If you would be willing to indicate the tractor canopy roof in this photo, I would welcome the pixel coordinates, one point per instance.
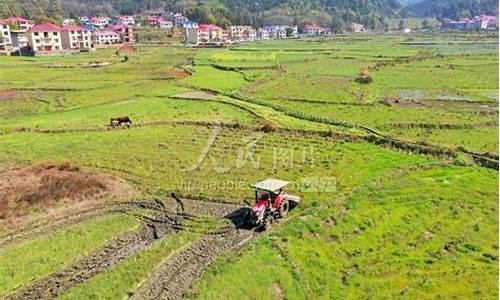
(271, 185)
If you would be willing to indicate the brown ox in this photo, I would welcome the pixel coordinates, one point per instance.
(117, 121)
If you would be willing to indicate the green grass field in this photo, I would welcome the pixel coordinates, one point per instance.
(37, 258)
(122, 280)
(408, 234)
(393, 223)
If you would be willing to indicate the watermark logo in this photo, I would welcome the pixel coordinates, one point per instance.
(317, 185)
(248, 156)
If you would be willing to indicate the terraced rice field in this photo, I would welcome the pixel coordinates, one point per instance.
(398, 177)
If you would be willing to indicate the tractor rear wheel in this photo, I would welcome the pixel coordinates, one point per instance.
(266, 223)
(284, 208)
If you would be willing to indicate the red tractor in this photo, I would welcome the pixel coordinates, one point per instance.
(271, 202)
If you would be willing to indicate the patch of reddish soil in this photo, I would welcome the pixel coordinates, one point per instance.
(9, 95)
(177, 74)
(25, 189)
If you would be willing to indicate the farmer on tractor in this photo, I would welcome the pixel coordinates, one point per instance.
(271, 203)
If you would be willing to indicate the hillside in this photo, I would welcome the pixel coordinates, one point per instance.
(409, 2)
(453, 9)
(223, 12)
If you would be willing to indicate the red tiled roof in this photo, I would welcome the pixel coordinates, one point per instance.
(208, 27)
(311, 27)
(46, 27)
(119, 27)
(156, 19)
(107, 32)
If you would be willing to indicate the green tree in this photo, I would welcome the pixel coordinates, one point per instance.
(338, 24)
(426, 25)
(401, 24)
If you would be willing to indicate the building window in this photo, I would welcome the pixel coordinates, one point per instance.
(54, 33)
(36, 33)
(37, 41)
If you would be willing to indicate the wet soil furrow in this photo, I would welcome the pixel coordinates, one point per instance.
(112, 253)
(176, 275)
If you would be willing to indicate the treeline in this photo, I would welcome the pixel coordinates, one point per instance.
(453, 9)
(332, 13)
(39, 10)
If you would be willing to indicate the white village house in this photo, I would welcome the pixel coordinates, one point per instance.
(5, 37)
(76, 38)
(45, 38)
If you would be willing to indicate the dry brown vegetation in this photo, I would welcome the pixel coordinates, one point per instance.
(25, 189)
(177, 74)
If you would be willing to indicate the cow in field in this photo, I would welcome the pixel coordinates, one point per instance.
(117, 121)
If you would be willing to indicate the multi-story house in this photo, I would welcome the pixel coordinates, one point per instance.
(262, 34)
(18, 23)
(18, 28)
(313, 30)
(179, 20)
(159, 22)
(164, 24)
(99, 22)
(486, 22)
(242, 33)
(226, 36)
(189, 25)
(76, 38)
(481, 22)
(275, 31)
(282, 31)
(126, 32)
(205, 34)
(106, 37)
(356, 27)
(44, 38)
(125, 20)
(5, 37)
(156, 21)
(84, 19)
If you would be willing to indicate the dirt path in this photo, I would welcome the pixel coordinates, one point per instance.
(89, 266)
(176, 276)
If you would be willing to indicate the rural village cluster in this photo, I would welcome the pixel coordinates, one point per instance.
(20, 36)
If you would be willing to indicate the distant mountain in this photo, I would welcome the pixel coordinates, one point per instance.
(453, 9)
(335, 13)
